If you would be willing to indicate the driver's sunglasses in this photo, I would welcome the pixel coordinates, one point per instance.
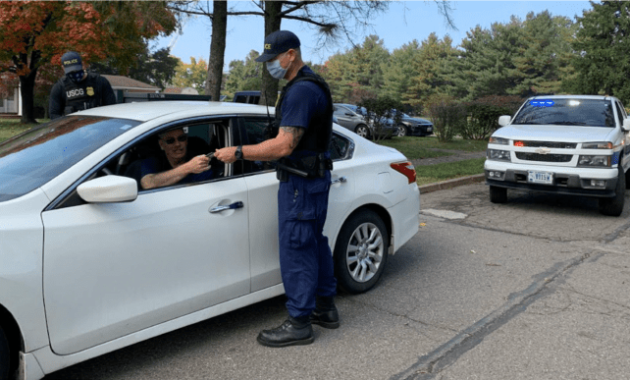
(171, 140)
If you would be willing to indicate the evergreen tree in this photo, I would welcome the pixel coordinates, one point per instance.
(601, 50)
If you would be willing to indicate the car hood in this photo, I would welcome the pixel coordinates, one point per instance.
(416, 120)
(557, 133)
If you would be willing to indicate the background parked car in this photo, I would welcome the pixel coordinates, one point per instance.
(413, 126)
(344, 109)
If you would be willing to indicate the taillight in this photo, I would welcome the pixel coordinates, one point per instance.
(407, 169)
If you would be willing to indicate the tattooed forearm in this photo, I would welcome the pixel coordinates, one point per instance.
(297, 135)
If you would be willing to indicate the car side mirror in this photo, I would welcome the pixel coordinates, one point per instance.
(504, 120)
(626, 125)
(111, 188)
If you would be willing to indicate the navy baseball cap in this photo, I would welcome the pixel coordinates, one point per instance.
(278, 42)
(71, 61)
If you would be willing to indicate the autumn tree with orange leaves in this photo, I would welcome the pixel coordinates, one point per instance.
(37, 33)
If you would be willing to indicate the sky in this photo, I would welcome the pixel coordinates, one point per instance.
(403, 22)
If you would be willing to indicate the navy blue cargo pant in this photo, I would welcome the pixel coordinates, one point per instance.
(305, 259)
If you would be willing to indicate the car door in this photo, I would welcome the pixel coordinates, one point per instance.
(344, 118)
(116, 268)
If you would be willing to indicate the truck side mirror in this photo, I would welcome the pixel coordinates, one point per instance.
(504, 120)
(626, 125)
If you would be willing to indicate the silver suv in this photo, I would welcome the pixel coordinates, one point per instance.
(563, 144)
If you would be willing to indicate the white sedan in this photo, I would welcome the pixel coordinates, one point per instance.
(90, 262)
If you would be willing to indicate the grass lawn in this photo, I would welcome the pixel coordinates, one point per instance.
(12, 127)
(421, 147)
(442, 172)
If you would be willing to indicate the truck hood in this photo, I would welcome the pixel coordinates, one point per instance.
(559, 133)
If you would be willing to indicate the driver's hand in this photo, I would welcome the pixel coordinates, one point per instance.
(198, 164)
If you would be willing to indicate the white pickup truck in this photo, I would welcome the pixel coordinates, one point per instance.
(564, 144)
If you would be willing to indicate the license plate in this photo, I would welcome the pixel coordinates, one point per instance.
(429, 129)
(544, 178)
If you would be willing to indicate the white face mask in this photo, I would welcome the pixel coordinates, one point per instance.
(275, 70)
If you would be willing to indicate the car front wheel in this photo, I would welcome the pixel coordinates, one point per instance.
(402, 131)
(614, 206)
(361, 252)
(363, 131)
(5, 357)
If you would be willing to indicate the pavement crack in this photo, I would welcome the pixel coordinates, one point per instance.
(429, 366)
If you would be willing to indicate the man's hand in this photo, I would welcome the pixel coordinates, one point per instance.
(226, 154)
(197, 164)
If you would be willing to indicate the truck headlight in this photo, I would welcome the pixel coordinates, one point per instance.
(597, 161)
(499, 155)
(597, 145)
(499, 141)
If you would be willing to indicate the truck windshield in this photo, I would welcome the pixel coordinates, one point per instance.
(31, 159)
(567, 111)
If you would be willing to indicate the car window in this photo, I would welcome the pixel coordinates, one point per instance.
(340, 147)
(31, 159)
(567, 111)
(255, 130)
(621, 113)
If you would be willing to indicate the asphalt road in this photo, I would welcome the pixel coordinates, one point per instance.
(538, 288)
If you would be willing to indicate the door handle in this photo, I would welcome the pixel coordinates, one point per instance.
(232, 206)
(342, 179)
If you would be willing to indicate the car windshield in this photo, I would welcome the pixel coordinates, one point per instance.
(31, 159)
(566, 111)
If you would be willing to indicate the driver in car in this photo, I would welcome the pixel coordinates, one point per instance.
(176, 165)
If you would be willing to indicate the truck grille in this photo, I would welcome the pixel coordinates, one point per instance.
(544, 157)
(549, 144)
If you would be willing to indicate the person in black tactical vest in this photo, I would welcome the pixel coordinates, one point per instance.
(78, 90)
(304, 115)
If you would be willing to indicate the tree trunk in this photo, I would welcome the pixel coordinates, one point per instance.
(27, 84)
(217, 50)
(273, 20)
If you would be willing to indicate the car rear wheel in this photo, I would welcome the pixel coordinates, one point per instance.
(614, 206)
(498, 194)
(5, 356)
(402, 131)
(363, 131)
(361, 252)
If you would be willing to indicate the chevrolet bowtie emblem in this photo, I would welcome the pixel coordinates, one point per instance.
(543, 150)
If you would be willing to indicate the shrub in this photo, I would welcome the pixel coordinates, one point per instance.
(380, 112)
(483, 115)
(448, 116)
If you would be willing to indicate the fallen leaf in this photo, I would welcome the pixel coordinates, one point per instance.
(473, 251)
(423, 224)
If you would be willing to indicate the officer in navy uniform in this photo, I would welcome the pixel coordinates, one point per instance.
(304, 116)
(78, 90)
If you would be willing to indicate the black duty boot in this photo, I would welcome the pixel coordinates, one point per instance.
(325, 313)
(294, 331)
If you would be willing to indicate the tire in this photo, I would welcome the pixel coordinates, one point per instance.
(498, 194)
(402, 131)
(614, 206)
(363, 131)
(361, 252)
(5, 356)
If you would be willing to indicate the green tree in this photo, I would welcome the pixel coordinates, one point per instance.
(193, 74)
(601, 50)
(244, 75)
(399, 70)
(427, 66)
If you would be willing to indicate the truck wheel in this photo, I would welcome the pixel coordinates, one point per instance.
(361, 252)
(498, 194)
(5, 356)
(614, 206)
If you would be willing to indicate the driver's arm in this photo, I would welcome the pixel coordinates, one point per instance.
(198, 164)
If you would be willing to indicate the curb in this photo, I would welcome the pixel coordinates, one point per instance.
(451, 183)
